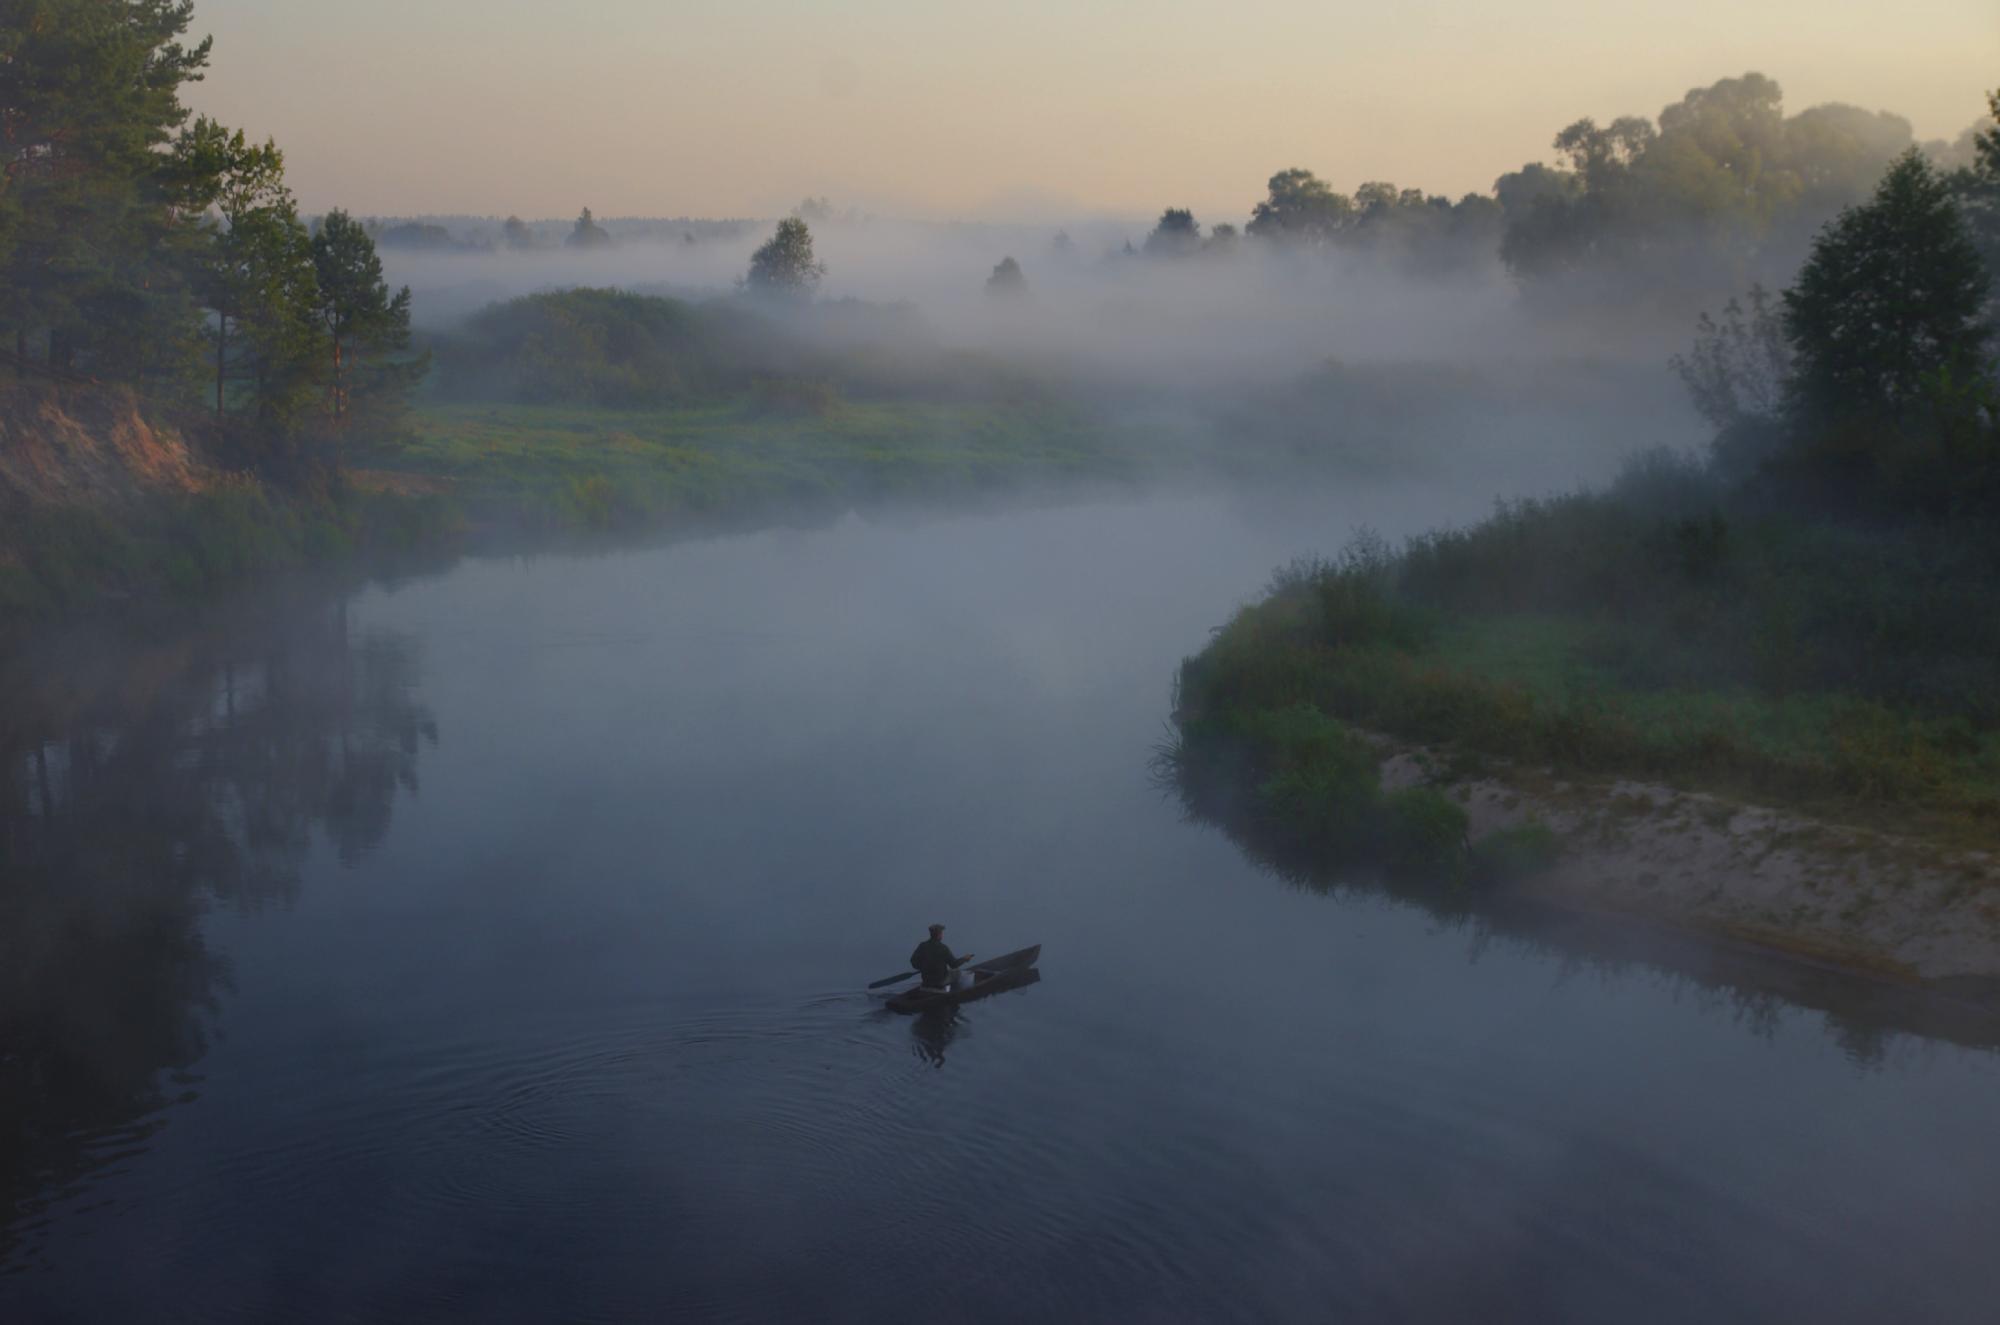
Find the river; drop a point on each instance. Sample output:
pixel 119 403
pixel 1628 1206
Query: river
pixel 490 946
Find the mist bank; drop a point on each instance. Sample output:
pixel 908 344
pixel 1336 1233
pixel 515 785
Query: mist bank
pixel 1620 237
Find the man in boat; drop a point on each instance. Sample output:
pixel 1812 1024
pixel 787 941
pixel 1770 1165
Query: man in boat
pixel 934 962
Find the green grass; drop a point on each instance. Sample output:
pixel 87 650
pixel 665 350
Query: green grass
pixel 1532 660
pixel 551 469
pixel 599 468
pixel 1308 789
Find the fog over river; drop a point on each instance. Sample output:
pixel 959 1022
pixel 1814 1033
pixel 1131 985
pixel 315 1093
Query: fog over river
pixel 490 947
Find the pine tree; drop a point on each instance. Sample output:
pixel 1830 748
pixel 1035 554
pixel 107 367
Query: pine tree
pixel 89 91
pixel 255 274
pixel 363 322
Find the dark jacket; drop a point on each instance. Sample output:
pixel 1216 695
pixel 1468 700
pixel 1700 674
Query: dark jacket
pixel 934 962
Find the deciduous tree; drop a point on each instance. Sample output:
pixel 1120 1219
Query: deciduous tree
pixel 1300 208
pixel 1893 294
pixel 1176 235
pixel 784 266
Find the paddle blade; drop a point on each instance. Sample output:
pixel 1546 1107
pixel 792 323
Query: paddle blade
pixel 894 979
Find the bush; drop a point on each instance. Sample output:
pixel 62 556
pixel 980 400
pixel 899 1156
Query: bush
pixel 1321 783
pixel 585 347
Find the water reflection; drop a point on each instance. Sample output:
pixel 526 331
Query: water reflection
pixel 934 1030
pixel 141 782
pixel 1754 987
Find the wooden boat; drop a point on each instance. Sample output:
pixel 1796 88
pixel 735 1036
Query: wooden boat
pixel 989 977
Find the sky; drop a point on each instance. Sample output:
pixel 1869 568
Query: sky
pixel 1032 110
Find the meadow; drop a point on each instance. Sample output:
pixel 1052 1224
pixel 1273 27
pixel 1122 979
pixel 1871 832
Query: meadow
pixel 583 467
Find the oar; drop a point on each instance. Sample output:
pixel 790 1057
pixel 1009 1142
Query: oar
pixel 905 975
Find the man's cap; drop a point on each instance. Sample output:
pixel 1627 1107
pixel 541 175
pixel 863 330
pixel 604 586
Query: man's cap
pixel 937 929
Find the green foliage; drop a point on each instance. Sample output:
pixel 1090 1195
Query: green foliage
pixel 784 267
pixel 90 221
pixel 1669 629
pixel 366 327
pixel 1319 781
pixel 569 467
pixel 589 347
pixel 1723 177
pixel 1424 836
pixel 255 274
pixel 1423 232
pixel 1177 235
pixel 128 238
pixel 1873 390
pixel 1300 208
pixel 1891 296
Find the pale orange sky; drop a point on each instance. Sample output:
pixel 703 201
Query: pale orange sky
pixel 1028 109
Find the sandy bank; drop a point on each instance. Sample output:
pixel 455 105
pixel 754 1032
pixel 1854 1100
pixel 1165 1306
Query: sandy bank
pixel 1899 907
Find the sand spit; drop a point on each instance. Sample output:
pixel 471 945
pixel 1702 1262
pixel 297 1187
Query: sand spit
pixel 1894 906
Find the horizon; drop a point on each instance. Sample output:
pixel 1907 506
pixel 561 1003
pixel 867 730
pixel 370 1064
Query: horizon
pixel 883 106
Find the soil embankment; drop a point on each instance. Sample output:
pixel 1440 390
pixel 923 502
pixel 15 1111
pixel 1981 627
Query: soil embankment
pixel 88 446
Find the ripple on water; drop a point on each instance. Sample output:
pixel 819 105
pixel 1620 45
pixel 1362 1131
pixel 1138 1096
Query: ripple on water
pixel 756 1162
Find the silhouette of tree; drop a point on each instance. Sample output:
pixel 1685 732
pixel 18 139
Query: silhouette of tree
pixel 1007 279
pixel 784 266
pixel 587 233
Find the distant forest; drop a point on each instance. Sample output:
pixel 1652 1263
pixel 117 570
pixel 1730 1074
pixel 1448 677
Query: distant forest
pixel 1721 184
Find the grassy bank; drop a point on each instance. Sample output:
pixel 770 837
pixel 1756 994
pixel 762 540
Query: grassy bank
pixel 1666 630
pixel 549 466
pixel 536 470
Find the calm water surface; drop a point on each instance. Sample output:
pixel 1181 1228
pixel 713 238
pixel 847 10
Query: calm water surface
pixel 489 948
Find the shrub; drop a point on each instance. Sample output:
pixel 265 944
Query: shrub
pixel 1321 784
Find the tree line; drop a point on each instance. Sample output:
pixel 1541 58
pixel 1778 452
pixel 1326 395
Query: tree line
pixel 1722 184
pixel 144 246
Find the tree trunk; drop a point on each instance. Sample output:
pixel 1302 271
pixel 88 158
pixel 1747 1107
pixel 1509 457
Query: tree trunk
pixel 339 394
pixel 221 350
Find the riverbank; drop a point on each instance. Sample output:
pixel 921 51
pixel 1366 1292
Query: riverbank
pixel 1700 711
pixel 106 507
